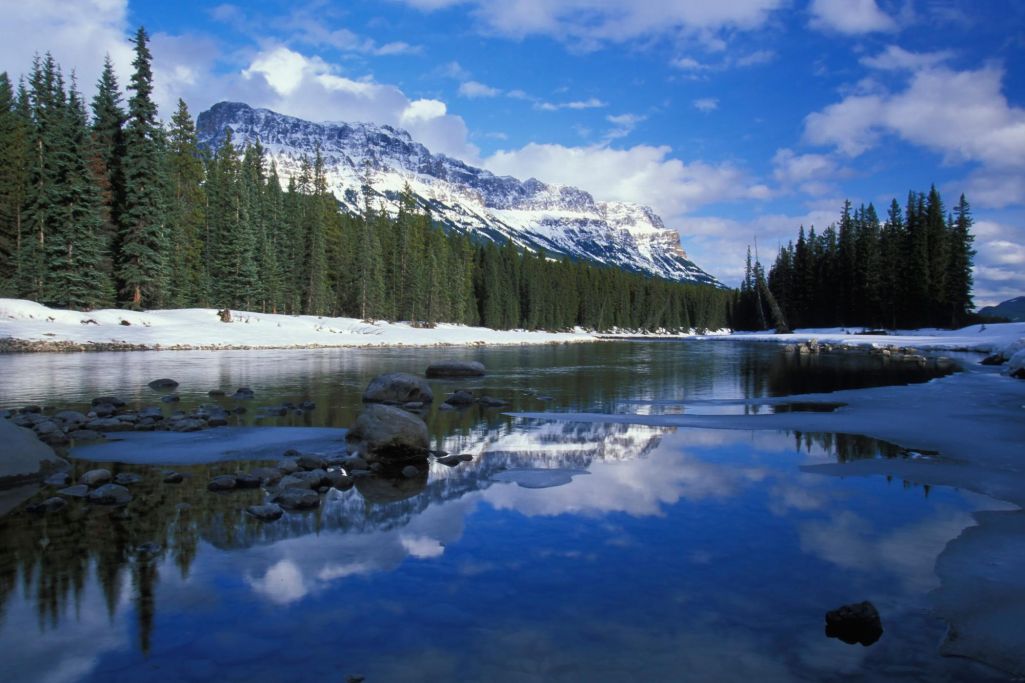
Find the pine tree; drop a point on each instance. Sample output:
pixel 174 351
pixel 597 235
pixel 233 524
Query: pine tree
pixel 959 267
pixel 76 276
pixel 109 150
pixel 186 211
pixel 141 263
pixel 14 157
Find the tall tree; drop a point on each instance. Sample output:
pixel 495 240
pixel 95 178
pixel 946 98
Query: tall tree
pixel 959 266
pixel 141 265
pixel 186 211
pixel 14 156
pixel 109 149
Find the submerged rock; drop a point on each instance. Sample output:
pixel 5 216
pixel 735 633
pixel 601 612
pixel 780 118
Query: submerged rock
pixel 297 499
pixel 163 383
pixel 225 482
pixel 174 478
pixel 461 398
pixel 265 513
pixel 855 623
pixel 398 388
pixel 25 457
pixel 387 433
pixel 96 477
pixel 111 494
pixel 455 369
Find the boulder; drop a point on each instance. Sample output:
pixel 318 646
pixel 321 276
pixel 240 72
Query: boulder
pixel 49 505
pixel 94 478
pixel 111 494
pixel 60 479
pixel 108 400
pixel 491 402
pixel 297 499
pixel 163 383
pixel 461 398
pixel 398 388
pixel 127 478
pixel 174 478
pixel 388 433
pixel 76 491
pixel 225 482
pixel 855 623
pixel 265 513
pixel 247 481
pixel 455 368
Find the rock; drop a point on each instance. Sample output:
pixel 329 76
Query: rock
pixel 70 418
pixel 217 422
pixel 340 480
pixel 77 491
pixel 127 478
pixel 413 405
pixel 354 463
pixel 174 478
pixel 454 369
pixel 410 472
pixel 94 478
pixel 215 393
pixel 170 398
pixel 385 490
pixel 58 479
pixel 288 466
pixel 489 402
pixel 31 410
pixel 466 457
pixel 265 513
pixel 111 494
pixel 994 359
pixel 461 398
pixel 390 433
pixel 163 383
pixel 268 475
pixel 45 427
pixel 49 505
pixel 104 410
pixel 449 460
pixel 855 623
pixel 188 425
pixel 398 388
pixel 247 481
pixel 311 462
pixel 108 424
pixel 225 482
pixel 85 435
pixel 297 499
pixel 108 400
pixel 244 394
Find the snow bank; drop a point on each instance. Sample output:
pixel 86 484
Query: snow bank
pixel 194 328
pixel 980 338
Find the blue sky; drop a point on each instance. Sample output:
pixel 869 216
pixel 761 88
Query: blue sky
pixel 734 119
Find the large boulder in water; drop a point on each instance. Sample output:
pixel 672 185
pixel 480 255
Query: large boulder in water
pixel 455 368
pixel 25 458
pixel 855 623
pixel 387 433
pixel 398 388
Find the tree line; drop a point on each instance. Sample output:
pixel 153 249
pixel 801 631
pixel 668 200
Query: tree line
pixel 101 204
pixel 912 270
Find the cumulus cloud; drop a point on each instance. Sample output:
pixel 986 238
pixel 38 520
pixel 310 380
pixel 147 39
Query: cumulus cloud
pixel 809 173
pixel 706 104
pixel 475 89
pixel 642 174
pixel 589 24
pixel 963 115
pixel 851 17
pixel 896 58
pixel 289 82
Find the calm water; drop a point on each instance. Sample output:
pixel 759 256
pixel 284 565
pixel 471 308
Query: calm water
pixel 662 555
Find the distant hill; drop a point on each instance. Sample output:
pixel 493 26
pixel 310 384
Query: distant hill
pixel 1014 309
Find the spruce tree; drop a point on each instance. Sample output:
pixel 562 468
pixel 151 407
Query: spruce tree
pixel 14 156
pixel 109 150
pixel 959 266
pixel 141 266
pixel 186 211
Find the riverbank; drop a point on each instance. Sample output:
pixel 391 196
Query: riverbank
pixel 26 326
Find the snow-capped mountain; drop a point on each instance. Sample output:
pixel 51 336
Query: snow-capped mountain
pixel 561 220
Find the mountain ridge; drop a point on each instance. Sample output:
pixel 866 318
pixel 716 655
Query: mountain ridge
pixel 1013 309
pixel 560 220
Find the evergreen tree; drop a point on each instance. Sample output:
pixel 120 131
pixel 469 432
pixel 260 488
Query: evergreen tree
pixel 141 263
pixel 186 211
pixel 14 157
pixel 959 266
pixel 109 150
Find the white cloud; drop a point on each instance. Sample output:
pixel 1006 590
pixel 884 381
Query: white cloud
pixel 810 173
pixel 851 17
pixel 706 104
pixel 589 24
pixel 624 125
pixel 642 174
pixel 475 89
pixel 589 103
pixel 289 82
pixel 960 114
pixel 896 58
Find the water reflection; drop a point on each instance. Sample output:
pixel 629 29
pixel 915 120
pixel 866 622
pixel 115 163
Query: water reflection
pixel 688 506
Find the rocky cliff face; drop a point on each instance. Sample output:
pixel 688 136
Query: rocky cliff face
pixel 365 159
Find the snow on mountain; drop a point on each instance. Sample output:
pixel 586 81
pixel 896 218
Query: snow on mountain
pixel 561 220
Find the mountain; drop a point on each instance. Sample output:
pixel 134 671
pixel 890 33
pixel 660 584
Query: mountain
pixel 561 220
pixel 1013 309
